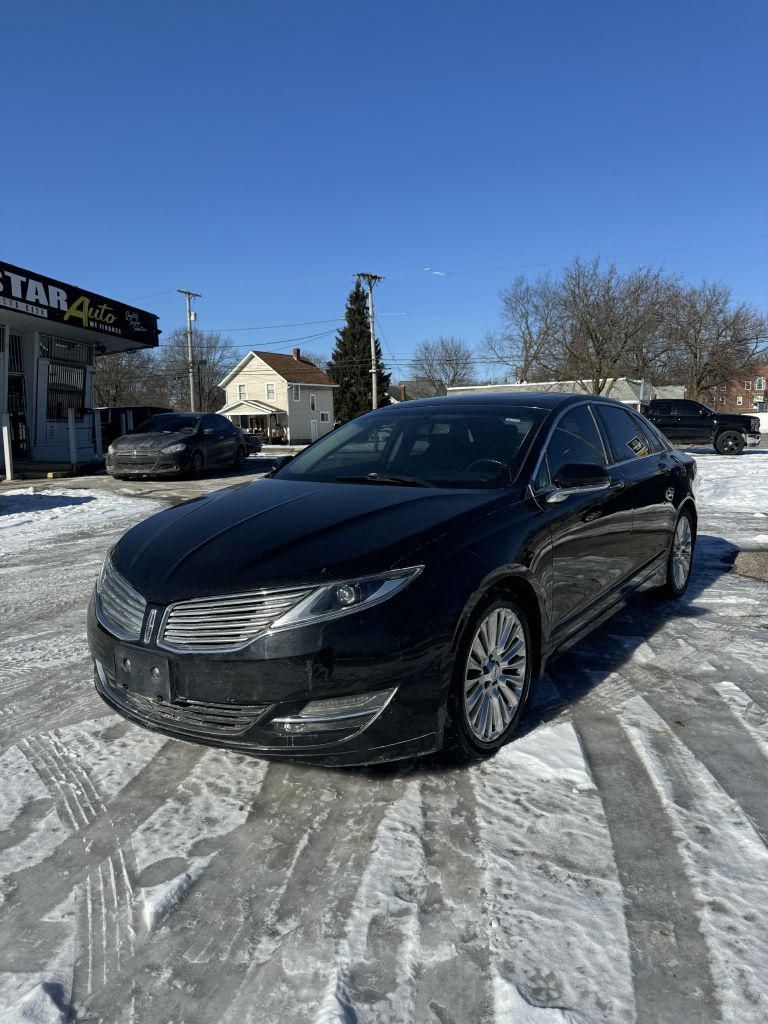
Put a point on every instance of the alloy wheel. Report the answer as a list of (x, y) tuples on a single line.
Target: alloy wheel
[(494, 676), (682, 550)]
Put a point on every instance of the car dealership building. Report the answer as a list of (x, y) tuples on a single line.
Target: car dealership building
[(50, 335)]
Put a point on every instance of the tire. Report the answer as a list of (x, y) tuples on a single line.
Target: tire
[(239, 459), (481, 716), (729, 442), (682, 547), (196, 465)]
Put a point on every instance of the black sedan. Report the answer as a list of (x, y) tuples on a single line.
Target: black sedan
[(177, 443), (399, 585)]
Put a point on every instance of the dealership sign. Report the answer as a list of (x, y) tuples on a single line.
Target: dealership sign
[(39, 296)]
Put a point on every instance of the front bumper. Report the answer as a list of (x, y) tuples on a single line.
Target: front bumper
[(119, 464), (235, 700), (753, 440)]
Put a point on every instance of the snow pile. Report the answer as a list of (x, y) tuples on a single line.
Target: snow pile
[(31, 516), (733, 483)]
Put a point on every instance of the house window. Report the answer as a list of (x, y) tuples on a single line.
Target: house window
[(242, 392), (722, 387), (739, 400), (269, 392), (747, 385), (760, 384), (296, 392), (312, 405), (325, 417)]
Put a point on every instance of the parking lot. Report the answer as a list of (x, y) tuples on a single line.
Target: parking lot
[(607, 866)]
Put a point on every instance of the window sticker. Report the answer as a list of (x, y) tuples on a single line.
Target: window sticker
[(637, 446)]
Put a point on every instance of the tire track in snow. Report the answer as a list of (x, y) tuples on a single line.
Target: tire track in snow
[(376, 978), (751, 714), (724, 858), (670, 962), (723, 746), (455, 978), (38, 889), (558, 940)]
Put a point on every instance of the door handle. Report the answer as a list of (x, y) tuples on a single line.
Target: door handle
[(617, 485), (665, 468)]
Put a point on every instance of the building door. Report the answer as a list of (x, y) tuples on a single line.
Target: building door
[(313, 429), (17, 414)]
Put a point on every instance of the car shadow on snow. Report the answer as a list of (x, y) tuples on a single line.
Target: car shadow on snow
[(31, 504), (572, 674)]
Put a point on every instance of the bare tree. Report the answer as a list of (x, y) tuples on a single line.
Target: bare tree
[(213, 356), (711, 340), (445, 362), (529, 314), (129, 378), (320, 361)]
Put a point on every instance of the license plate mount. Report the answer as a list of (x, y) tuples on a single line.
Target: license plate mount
[(143, 672)]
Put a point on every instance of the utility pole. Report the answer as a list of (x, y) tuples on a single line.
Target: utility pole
[(371, 280), (190, 361)]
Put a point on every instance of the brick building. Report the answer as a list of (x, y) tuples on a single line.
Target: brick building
[(743, 395)]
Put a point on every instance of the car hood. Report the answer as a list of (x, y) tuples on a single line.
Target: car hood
[(149, 442), (277, 533)]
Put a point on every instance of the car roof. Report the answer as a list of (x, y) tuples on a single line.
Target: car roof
[(506, 400)]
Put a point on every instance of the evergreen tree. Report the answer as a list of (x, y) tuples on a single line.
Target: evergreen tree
[(350, 363)]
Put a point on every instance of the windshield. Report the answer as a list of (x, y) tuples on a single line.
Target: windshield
[(468, 447), (170, 423)]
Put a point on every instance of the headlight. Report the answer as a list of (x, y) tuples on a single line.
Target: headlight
[(347, 596), (173, 448), (111, 450)]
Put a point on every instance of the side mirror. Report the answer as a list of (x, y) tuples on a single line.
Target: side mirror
[(578, 478), (278, 463)]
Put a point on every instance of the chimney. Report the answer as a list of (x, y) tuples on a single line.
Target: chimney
[(297, 353), (403, 397)]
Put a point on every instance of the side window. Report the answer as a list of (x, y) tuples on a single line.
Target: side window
[(209, 423), (575, 440), (691, 409), (662, 409), (656, 440), (626, 438)]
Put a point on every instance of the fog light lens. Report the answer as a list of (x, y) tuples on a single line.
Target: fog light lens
[(354, 711)]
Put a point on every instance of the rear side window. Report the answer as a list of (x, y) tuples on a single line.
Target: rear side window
[(575, 440), (626, 438), (661, 409)]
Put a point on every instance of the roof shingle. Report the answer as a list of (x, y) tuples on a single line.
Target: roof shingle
[(295, 371)]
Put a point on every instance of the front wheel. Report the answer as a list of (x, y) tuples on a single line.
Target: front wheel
[(491, 680), (730, 442), (196, 465)]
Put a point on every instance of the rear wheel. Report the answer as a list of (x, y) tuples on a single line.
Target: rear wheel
[(680, 557), (729, 442), (491, 680)]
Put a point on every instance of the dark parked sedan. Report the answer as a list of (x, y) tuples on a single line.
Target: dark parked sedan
[(399, 585), (177, 443)]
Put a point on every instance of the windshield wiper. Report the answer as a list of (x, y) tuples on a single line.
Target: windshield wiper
[(384, 478)]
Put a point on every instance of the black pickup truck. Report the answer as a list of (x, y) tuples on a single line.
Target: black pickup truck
[(685, 422)]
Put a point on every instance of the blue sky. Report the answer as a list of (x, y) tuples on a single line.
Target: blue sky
[(263, 153)]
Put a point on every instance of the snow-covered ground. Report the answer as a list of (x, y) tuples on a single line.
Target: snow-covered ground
[(608, 866)]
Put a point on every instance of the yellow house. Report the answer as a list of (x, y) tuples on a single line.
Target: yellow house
[(285, 397)]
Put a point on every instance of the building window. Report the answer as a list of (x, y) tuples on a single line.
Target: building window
[(722, 401), (269, 392), (739, 400), (722, 387), (747, 385), (66, 375), (312, 403), (325, 417), (760, 384), (296, 392), (242, 392)]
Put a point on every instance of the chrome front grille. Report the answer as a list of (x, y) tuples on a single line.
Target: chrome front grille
[(119, 607), (225, 623)]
